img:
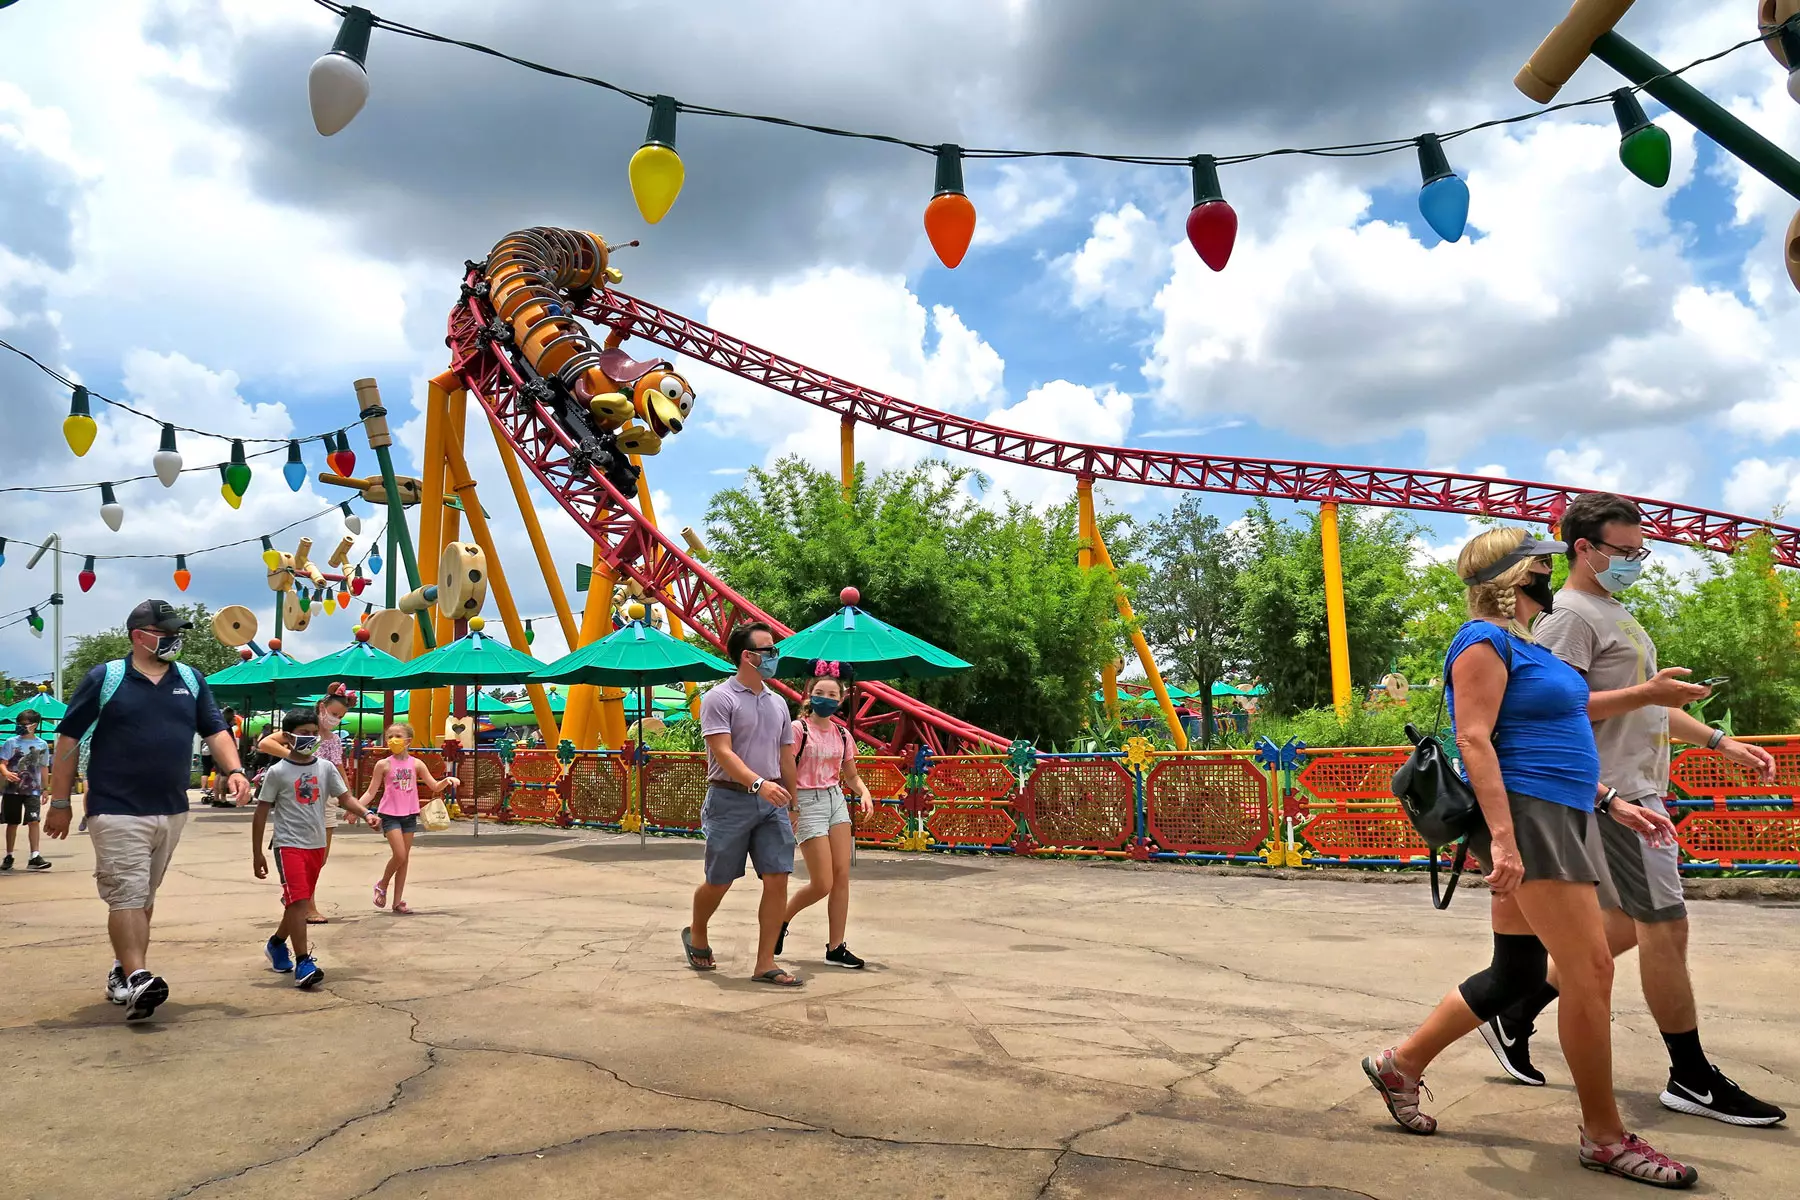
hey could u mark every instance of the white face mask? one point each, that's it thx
(328, 721)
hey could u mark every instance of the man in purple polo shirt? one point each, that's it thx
(749, 745)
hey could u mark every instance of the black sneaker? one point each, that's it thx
(117, 991)
(1511, 1044)
(781, 938)
(38, 863)
(143, 992)
(1722, 1100)
(840, 956)
(6, 863)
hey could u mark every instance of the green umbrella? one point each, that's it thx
(358, 666)
(876, 649)
(475, 659)
(259, 682)
(47, 706)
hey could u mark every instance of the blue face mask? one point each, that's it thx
(823, 706)
(1620, 573)
(768, 664)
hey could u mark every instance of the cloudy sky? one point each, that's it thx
(174, 233)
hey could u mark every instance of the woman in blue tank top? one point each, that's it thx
(1521, 722)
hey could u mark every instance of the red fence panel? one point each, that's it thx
(884, 827)
(1354, 813)
(1211, 805)
(971, 825)
(598, 787)
(1703, 773)
(956, 777)
(1079, 803)
(674, 790)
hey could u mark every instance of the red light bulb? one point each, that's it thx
(1212, 223)
(86, 578)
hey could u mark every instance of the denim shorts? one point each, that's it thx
(738, 825)
(407, 824)
(817, 810)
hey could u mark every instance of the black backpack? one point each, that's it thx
(1437, 799)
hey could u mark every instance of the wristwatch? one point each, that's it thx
(1718, 735)
(237, 771)
(1603, 805)
(756, 787)
(61, 805)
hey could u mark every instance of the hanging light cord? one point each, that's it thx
(25, 612)
(1345, 150)
(204, 549)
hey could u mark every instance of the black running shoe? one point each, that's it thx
(37, 862)
(6, 863)
(781, 938)
(143, 992)
(840, 956)
(117, 991)
(1511, 1044)
(1722, 1100)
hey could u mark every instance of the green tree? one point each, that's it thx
(1001, 589)
(1187, 598)
(1734, 620)
(1437, 608)
(1281, 592)
(200, 649)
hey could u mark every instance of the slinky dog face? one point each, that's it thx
(664, 400)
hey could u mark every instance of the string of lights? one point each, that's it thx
(338, 87)
(28, 615)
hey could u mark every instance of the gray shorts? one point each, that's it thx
(818, 809)
(1555, 842)
(1648, 877)
(736, 825)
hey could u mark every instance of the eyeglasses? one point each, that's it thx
(1637, 555)
(1546, 561)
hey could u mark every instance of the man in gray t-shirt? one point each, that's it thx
(298, 791)
(749, 746)
(1636, 711)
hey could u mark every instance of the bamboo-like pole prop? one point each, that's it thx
(1147, 659)
(1567, 46)
(375, 426)
(1336, 624)
(559, 599)
(464, 484)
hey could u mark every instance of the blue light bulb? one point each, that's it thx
(374, 562)
(294, 470)
(1444, 203)
(1444, 198)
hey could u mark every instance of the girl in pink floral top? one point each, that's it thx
(826, 758)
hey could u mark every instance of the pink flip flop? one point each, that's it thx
(380, 895)
(401, 909)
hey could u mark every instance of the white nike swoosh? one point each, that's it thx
(1702, 1097)
(1501, 1030)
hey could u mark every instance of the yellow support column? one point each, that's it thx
(1089, 533)
(1336, 626)
(450, 530)
(1147, 659)
(421, 711)
(847, 456)
(464, 484)
(648, 507)
(559, 599)
(578, 715)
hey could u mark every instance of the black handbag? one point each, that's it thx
(1438, 800)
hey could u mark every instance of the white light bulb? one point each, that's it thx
(113, 514)
(353, 523)
(167, 464)
(337, 87)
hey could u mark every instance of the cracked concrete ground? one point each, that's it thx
(1024, 1029)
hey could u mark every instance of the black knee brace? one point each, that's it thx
(1519, 969)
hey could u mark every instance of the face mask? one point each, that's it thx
(768, 665)
(305, 745)
(1539, 593)
(328, 722)
(1620, 573)
(823, 706)
(396, 745)
(168, 647)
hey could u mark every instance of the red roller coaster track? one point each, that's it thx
(888, 718)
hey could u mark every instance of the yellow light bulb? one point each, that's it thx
(231, 497)
(656, 177)
(79, 429)
(271, 558)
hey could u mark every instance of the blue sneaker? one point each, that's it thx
(276, 951)
(307, 973)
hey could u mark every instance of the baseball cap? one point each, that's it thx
(1529, 548)
(157, 614)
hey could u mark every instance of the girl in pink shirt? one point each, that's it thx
(826, 758)
(398, 778)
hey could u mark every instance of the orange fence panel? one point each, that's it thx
(674, 790)
(1732, 837)
(958, 778)
(1218, 805)
(970, 825)
(1707, 773)
(1083, 803)
(884, 827)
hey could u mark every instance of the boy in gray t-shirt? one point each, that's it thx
(297, 791)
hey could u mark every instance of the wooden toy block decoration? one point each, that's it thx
(462, 580)
(419, 599)
(304, 564)
(460, 730)
(235, 625)
(1567, 47)
(391, 630)
(282, 577)
(370, 487)
(292, 615)
(341, 555)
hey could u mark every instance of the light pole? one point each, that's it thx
(56, 607)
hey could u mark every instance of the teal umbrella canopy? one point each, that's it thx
(637, 655)
(358, 666)
(876, 649)
(48, 707)
(475, 659)
(258, 683)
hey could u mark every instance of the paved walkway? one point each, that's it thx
(1025, 1029)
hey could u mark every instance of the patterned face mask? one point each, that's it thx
(305, 745)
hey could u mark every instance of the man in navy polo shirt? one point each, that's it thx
(140, 762)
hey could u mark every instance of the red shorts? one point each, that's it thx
(299, 873)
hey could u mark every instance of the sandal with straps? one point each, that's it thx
(777, 977)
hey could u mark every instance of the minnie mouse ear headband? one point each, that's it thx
(826, 669)
(337, 691)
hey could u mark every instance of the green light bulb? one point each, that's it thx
(1647, 154)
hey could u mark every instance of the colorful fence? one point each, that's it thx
(1281, 806)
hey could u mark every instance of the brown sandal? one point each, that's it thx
(776, 977)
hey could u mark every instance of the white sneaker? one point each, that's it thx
(143, 992)
(116, 991)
